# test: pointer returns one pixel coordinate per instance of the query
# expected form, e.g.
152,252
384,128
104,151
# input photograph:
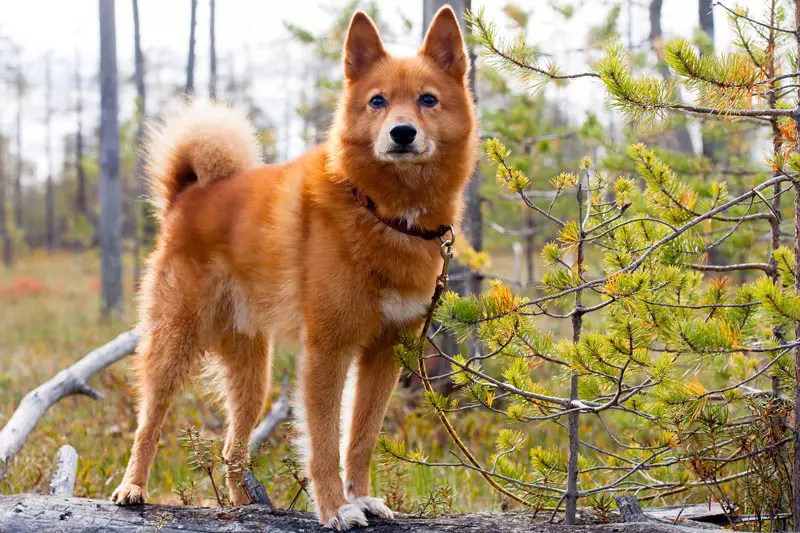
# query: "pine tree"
670,375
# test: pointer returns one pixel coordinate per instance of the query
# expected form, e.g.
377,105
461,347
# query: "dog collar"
398,223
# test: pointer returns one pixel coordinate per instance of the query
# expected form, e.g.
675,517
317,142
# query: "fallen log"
29,513
71,380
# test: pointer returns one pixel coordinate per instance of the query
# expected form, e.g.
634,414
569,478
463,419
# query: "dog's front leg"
377,374
324,374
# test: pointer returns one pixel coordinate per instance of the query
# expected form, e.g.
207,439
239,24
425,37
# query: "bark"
212,56
49,197
20,87
656,37
573,421
29,513
629,508
530,225
256,491
110,184
141,115
63,482
190,62
5,232
81,203
69,381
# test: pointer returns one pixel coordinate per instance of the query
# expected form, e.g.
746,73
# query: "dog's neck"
404,224
421,194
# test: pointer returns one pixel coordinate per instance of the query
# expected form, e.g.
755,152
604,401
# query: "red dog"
338,247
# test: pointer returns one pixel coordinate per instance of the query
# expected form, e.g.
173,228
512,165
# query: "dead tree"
81,203
50,215
190,62
5,233
20,90
110,185
212,56
706,16
656,39
141,115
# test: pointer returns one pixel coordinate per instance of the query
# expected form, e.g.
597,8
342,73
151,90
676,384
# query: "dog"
339,248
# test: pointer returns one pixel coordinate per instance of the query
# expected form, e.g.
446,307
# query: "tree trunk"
190,63
81,203
212,56
656,37
530,225
110,190
706,16
50,216
20,86
5,232
141,115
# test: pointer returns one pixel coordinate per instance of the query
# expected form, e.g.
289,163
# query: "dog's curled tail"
198,142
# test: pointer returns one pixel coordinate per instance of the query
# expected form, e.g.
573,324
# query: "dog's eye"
428,100
377,102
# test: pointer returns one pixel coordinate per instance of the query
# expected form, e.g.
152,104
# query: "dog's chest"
399,308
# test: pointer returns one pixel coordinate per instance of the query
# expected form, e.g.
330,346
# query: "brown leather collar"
398,223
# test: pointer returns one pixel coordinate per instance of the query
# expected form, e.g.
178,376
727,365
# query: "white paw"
348,516
372,506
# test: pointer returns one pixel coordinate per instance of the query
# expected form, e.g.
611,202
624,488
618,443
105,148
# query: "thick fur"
247,252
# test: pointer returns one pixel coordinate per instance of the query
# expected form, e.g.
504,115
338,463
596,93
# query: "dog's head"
405,111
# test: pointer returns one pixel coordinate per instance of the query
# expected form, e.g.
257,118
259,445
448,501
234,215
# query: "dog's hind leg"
163,361
377,374
245,366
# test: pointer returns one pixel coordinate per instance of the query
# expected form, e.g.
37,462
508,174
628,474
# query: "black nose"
403,133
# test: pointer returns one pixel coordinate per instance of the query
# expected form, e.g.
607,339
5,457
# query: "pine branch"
753,21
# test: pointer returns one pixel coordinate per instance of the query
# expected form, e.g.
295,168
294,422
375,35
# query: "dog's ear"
444,44
362,47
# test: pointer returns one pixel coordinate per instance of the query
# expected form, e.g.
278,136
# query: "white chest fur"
399,309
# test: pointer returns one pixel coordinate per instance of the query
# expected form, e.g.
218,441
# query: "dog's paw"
372,506
128,494
347,517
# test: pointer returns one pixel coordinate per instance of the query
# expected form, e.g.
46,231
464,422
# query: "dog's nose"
403,133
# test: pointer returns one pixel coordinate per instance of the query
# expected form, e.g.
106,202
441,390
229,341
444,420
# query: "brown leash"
398,223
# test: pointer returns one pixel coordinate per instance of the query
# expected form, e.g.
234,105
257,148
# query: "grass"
51,318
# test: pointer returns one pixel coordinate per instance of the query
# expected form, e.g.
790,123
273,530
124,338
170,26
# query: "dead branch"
72,380
277,414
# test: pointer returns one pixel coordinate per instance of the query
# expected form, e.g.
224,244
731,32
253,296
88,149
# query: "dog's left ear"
444,43
362,46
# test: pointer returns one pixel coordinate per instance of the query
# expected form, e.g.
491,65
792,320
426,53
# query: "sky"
68,32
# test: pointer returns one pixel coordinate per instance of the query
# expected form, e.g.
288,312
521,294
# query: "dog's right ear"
362,47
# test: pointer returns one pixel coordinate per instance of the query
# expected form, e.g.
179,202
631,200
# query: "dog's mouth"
406,153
